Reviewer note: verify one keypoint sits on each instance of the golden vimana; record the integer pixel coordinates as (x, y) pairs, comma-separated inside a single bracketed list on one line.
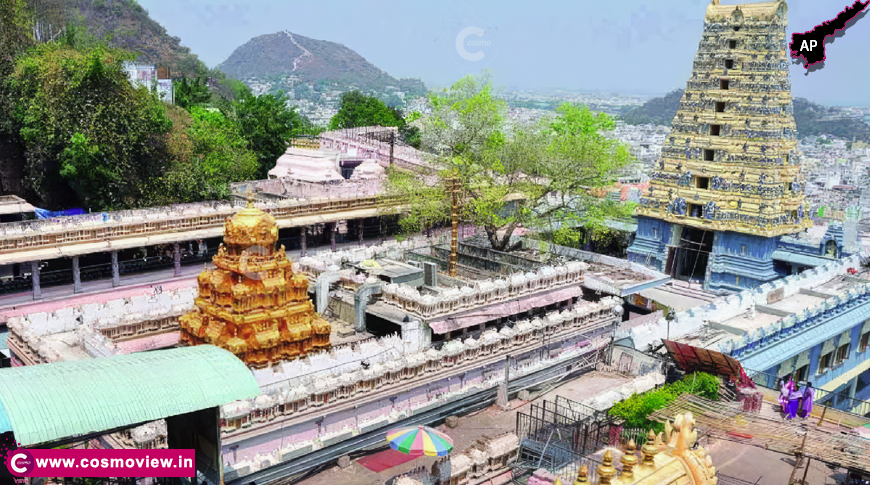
[(252, 303)]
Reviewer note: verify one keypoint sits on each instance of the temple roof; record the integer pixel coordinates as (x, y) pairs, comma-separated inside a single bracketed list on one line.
[(44, 403), (759, 9)]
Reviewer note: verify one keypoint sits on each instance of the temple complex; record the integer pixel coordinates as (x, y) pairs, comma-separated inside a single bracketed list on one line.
[(252, 303), (729, 182)]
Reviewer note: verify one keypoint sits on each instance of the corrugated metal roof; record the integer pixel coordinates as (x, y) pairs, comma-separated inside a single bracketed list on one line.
[(47, 402), (5, 425)]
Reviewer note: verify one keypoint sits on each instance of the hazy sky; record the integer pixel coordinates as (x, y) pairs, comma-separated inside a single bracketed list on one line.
[(627, 46)]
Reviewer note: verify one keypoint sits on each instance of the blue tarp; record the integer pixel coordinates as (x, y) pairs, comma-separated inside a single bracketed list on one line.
[(45, 214)]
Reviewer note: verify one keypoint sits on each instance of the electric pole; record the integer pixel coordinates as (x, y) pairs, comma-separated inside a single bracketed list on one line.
[(454, 238)]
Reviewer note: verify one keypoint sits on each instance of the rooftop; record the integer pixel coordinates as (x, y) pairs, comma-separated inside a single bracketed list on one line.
[(12, 204)]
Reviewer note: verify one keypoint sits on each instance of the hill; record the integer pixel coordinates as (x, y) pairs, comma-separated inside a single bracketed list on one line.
[(125, 24), (657, 111), (811, 119), (285, 60)]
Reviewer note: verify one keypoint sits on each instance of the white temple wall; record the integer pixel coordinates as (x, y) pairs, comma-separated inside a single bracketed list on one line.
[(724, 308), (270, 447)]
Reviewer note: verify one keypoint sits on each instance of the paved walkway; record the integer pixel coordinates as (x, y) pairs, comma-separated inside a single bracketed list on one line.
[(99, 291), (491, 422)]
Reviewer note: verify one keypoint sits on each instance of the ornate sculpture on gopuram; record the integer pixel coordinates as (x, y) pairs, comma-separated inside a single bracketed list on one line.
[(252, 303), (733, 147)]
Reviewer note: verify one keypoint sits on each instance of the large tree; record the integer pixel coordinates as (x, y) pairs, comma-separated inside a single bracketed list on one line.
[(523, 175), (206, 152), (85, 126), (356, 109), (267, 124)]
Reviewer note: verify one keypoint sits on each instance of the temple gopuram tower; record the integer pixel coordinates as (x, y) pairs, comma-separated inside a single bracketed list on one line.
[(729, 182), (252, 303)]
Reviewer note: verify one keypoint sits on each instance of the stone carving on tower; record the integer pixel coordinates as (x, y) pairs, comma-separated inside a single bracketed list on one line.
[(730, 162), (252, 303)]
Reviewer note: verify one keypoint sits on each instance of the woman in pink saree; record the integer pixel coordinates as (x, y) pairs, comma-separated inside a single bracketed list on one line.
[(808, 396), (785, 390)]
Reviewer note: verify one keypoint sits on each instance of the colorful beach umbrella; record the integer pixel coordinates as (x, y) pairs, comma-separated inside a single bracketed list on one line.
[(419, 440)]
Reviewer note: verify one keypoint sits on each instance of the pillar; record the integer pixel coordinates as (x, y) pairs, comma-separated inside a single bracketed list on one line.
[(430, 274), (176, 256), (333, 227), (303, 240), (77, 275), (361, 225), (116, 270), (34, 274)]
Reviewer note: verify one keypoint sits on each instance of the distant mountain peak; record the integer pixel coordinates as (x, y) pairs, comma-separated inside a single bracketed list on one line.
[(286, 53)]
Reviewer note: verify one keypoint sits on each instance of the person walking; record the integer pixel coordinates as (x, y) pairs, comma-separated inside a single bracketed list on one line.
[(809, 395), (783, 394)]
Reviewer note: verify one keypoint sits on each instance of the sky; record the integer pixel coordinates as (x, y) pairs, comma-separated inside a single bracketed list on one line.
[(625, 46)]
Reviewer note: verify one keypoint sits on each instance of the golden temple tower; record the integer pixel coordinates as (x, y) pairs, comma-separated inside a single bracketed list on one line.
[(253, 304), (729, 182)]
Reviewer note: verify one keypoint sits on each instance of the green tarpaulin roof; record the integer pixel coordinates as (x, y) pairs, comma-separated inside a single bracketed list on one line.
[(48, 402)]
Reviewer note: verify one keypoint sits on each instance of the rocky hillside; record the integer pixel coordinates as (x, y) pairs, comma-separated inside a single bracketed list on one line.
[(811, 119), (287, 58), (128, 25), (657, 111)]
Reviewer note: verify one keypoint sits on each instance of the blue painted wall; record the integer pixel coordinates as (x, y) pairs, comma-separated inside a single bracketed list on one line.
[(728, 269), (854, 359), (650, 243)]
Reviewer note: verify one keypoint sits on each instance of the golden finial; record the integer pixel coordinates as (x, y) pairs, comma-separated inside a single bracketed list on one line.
[(582, 473), (629, 459), (650, 449), (250, 198), (605, 469)]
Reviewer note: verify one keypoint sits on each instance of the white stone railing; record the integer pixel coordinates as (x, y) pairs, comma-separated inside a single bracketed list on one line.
[(293, 397), (109, 225), (325, 260), (483, 292)]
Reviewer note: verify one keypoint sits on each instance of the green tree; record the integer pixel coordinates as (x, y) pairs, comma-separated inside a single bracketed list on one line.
[(530, 176), (191, 93), (356, 109), (206, 153), (85, 126), (267, 124)]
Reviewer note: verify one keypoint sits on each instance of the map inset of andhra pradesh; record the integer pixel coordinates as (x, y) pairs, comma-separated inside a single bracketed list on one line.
[(810, 45)]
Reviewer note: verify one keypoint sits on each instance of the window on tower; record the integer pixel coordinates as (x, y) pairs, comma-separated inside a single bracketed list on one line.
[(732, 44), (720, 107), (702, 182), (709, 155), (714, 130), (729, 63), (723, 84)]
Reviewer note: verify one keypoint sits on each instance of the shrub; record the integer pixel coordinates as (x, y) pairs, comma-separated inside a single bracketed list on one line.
[(634, 410)]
